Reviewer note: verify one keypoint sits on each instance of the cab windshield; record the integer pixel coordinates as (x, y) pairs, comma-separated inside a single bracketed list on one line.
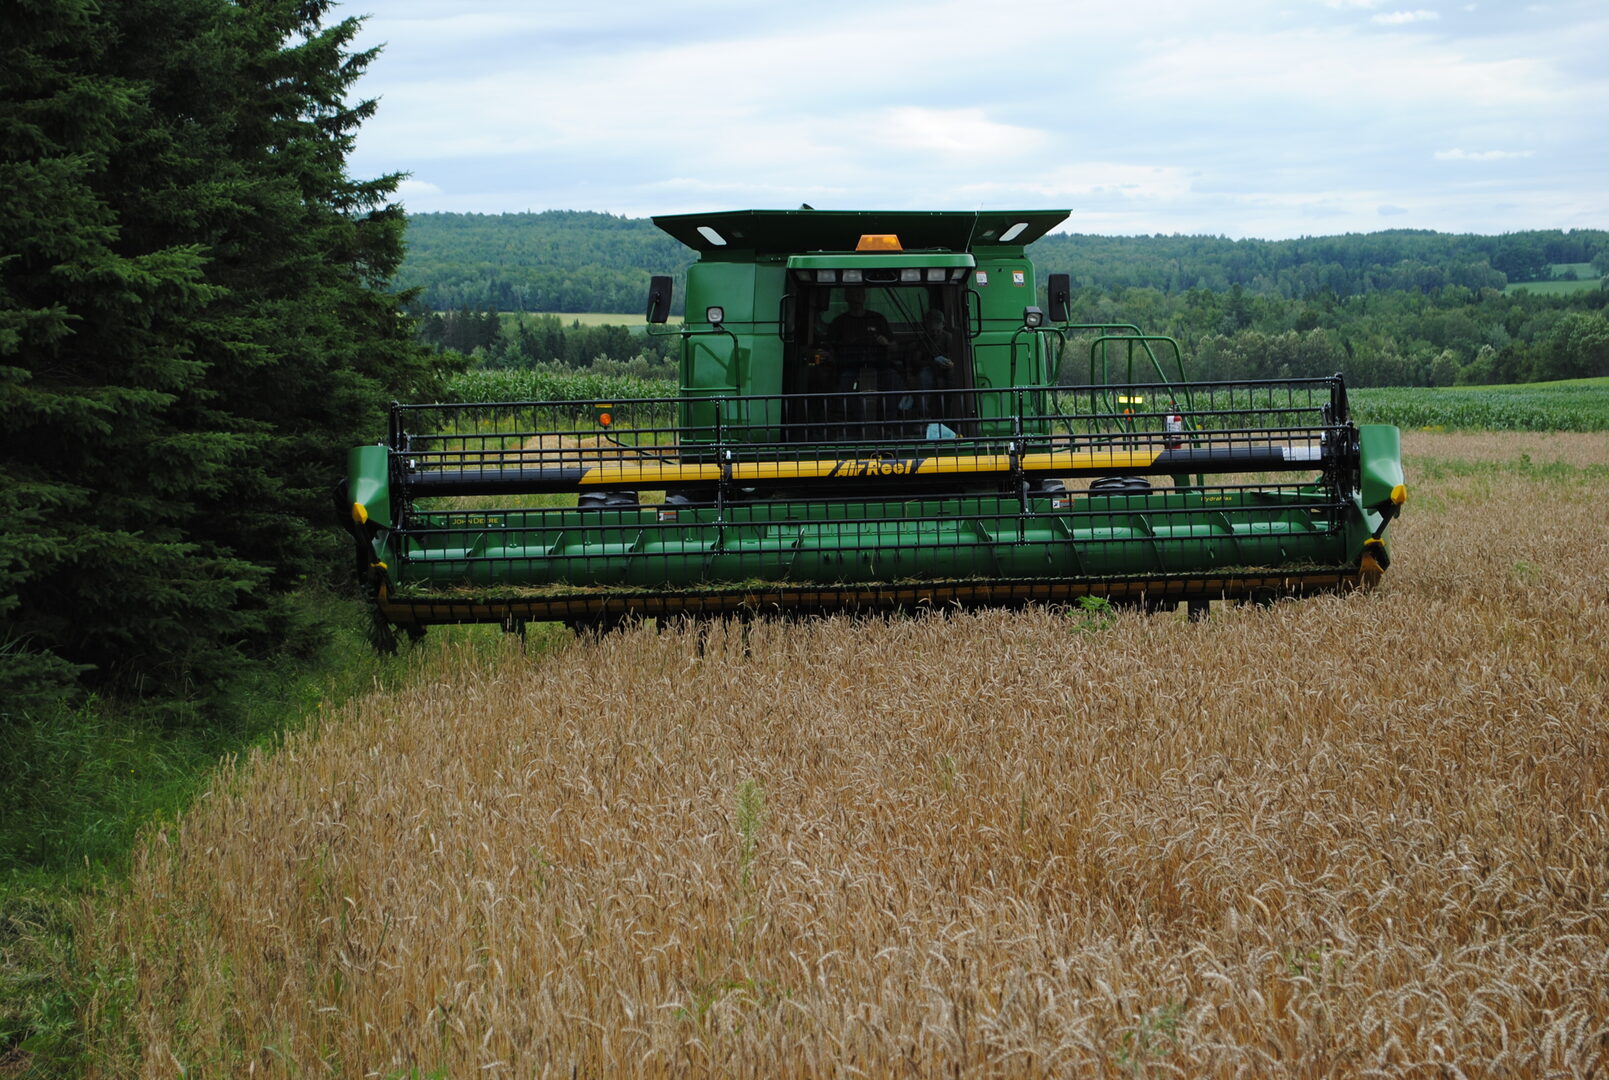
[(870, 353)]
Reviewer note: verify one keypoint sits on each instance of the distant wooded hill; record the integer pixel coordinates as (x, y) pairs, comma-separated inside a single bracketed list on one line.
[(1400, 308), (575, 261), (559, 260)]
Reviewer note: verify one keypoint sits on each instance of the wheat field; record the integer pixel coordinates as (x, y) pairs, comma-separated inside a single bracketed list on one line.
[(1348, 836)]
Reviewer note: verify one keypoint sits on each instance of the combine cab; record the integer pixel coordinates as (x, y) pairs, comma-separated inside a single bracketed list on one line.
[(874, 415)]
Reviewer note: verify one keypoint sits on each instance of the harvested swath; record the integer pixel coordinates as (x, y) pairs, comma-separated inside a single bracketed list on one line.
[(1541, 448), (1347, 836)]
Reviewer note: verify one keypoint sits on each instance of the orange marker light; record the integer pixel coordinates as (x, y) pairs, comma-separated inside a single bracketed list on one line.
[(606, 418), (879, 242)]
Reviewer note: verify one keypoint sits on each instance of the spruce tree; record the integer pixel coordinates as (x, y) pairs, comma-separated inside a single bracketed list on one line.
[(194, 325)]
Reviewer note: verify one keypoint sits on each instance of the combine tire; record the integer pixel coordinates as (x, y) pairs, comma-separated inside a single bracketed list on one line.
[(606, 500), (1120, 485)]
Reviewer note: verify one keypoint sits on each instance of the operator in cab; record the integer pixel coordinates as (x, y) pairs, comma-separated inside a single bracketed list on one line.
[(928, 364), (860, 340)]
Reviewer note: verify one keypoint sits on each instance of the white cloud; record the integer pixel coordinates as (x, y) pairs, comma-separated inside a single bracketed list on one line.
[(683, 186), (1104, 179), (1456, 154), (1366, 74), (1398, 18), (955, 131), (441, 30), (410, 187)]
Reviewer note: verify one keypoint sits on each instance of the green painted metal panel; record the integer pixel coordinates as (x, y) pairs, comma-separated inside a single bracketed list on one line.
[(368, 470), (1380, 451), (732, 285), (830, 543)]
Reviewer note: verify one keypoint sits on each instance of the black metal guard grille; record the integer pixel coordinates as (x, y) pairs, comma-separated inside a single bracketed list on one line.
[(533, 447)]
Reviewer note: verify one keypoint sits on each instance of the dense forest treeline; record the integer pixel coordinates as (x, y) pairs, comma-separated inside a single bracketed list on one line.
[(558, 260), (524, 341), (1352, 264), (572, 261), (1451, 336), (1398, 308)]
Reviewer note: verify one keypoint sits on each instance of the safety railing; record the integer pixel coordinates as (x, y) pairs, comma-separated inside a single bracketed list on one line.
[(755, 440)]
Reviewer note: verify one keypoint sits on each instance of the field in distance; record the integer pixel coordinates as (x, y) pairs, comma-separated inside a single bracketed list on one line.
[(1573, 277), (512, 319), (1355, 835)]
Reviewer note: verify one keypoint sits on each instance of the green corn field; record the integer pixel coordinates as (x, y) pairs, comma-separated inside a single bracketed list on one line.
[(1571, 405)]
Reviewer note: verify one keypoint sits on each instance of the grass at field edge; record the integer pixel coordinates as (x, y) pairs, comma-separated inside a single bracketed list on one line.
[(83, 784)]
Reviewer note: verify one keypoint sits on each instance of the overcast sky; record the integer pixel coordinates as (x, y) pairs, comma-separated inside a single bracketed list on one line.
[(1236, 117)]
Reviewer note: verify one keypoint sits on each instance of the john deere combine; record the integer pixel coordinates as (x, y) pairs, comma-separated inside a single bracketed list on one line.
[(875, 413)]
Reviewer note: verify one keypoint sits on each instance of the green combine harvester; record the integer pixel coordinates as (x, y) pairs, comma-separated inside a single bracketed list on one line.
[(875, 414)]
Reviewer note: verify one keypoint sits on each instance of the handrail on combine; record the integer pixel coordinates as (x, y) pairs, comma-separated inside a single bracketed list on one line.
[(732, 360), (1098, 347), (1133, 331)]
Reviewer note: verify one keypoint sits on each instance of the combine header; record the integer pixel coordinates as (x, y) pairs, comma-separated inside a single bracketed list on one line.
[(875, 414)]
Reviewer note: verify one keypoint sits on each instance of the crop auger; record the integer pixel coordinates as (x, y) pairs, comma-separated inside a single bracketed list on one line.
[(873, 415)]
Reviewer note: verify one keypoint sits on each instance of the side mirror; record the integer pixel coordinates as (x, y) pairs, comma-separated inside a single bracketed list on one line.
[(660, 289), (1060, 292)]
